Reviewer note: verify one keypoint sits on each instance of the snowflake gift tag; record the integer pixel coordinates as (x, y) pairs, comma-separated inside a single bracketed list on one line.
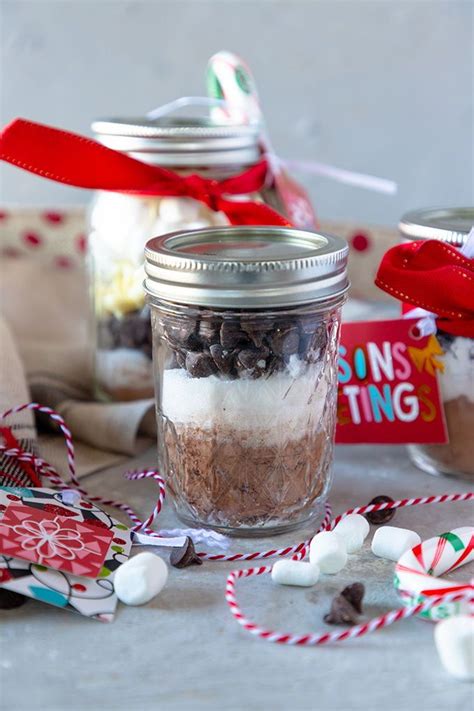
[(61, 554)]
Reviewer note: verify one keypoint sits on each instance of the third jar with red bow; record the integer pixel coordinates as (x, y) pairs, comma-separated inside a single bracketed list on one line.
[(451, 226)]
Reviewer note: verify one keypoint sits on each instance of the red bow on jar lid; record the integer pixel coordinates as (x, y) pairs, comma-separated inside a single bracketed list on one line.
[(434, 276), (76, 160)]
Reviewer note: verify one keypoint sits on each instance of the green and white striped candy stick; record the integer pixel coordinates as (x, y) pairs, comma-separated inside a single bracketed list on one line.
[(229, 78)]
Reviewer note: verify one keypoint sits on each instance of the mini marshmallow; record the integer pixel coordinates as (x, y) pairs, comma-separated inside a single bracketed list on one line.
[(353, 529), (295, 572), (140, 579), (454, 639), (328, 550), (391, 542), (179, 209)]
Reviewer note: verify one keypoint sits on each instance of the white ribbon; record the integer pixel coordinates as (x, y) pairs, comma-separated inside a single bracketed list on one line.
[(183, 101), (175, 538), (348, 177), (341, 175), (143, 539)]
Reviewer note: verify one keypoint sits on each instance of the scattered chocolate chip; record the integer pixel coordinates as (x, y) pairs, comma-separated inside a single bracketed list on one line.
[(200, 365), (184, 556), (223, 358), (355, 594), (376, 518), (341, 612), (231, 336), (10, 599), (285, 340)]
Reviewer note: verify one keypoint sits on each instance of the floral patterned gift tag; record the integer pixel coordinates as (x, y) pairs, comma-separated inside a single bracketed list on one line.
[(64, 555)]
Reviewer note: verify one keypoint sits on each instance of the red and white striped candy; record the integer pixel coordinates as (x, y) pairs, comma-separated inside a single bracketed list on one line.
[(417, 572)]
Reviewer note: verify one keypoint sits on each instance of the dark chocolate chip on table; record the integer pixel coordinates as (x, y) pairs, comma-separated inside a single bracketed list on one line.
[(347, 606), (9, 599), (184, 556), (355, 594), (376, 518), (200, 365), (341, 612)]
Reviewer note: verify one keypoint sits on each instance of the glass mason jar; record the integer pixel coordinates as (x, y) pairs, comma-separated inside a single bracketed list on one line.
[(452, 226), (245, 341), (120, 226)]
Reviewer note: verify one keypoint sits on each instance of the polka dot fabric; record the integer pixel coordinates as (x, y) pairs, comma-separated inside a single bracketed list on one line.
[(53, 237), (59, 239)]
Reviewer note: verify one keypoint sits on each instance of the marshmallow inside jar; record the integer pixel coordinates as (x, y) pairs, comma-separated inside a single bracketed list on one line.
[(245, 336)]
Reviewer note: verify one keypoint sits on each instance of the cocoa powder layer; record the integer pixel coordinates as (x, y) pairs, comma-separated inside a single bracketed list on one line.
[(457, 456), (216, 478)]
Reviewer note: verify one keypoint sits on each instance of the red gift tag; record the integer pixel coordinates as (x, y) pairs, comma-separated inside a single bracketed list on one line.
[(295, 200), (388, 387), (52, 540)]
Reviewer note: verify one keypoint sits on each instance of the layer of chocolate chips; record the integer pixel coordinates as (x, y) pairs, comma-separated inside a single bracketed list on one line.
[(242, 346), (132, 330)]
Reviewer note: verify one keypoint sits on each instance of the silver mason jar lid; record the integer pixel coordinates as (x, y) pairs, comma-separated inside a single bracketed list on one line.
[(447, 224), (246, 267), (187, 142)]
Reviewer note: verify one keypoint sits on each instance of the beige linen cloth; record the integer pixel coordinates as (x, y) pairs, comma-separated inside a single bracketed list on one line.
[(47, 340)]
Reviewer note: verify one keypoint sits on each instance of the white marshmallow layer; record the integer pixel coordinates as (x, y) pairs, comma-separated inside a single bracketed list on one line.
[(282, 407)]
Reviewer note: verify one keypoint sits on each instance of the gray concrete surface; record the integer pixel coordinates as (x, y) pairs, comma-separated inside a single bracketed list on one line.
[(378, 86), (184, 651)]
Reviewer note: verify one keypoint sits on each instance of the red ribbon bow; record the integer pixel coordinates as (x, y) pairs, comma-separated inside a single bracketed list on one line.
[(434, 276), (76, 160)]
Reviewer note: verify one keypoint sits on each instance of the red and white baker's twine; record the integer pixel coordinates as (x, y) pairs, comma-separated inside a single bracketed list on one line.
[(298, 551)]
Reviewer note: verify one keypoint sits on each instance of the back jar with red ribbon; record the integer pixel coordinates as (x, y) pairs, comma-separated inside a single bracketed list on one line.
[(451, 226), (121, 224)]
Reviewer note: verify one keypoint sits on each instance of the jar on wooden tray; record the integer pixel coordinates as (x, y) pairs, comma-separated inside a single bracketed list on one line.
[(121, 224), (451, 226), (245, 338)]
